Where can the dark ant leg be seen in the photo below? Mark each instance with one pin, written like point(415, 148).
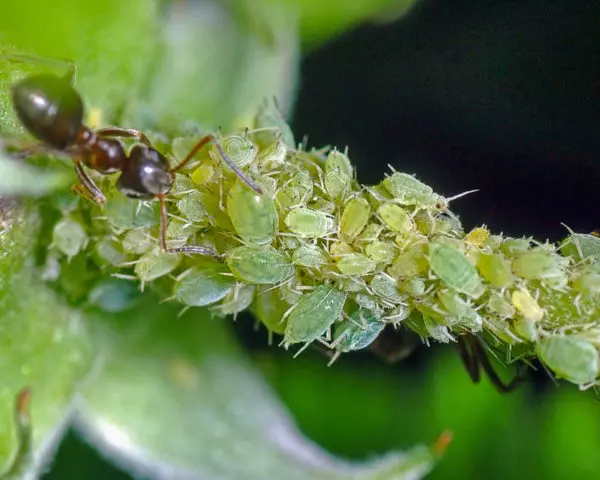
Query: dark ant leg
point(475, 357)
point(124, 132)
point(24, 436)
point(88, 188)
point(224, 156)
point(186, 249)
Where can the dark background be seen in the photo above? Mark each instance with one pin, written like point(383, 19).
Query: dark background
point(502, 96)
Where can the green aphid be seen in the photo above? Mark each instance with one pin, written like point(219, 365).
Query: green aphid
point(407, 190)
point(537, 264)
point(236, 301)
point(355, 264)
point(573, 359)
point(260, 265)
point(354, 218)
point(254, 217)
point(303, 183)
point(240, 149)
point(453, 268)
point(413, 287)
point(433, 311)
point(290, 293)
point(126, 213)
point(138, 241)
point(114, 295)
point(181, 146)
point(270, 308)
point(369, 234)
point(395, 217)
point(425, 222)
point(351, 284)
point(398, 314)
point(314, 314)
point(416, 323)
point(359, 332)
point(438, 332)
point(336, 184)
point(156, 264)
point(525, 328)
point(381, 252)
point(309, 223)
point(495, 269)
point(464, 313)
point(205, 284)
point(366, 301)
point(410, 263)
point(183, 186)
point(109, 251)
point(386, 287)
point(581, 246)
point(499, 304)
point(337, 161)
point(180, 231)
point(309, 256)
point(272, 155)
point(192, 208)
point(511, 247)
point(69, 237)
point(527, 305)
point(267, 117)
point(587, 283)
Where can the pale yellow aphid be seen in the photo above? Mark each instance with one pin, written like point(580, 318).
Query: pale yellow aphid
point(477, 237)
point(527, 305)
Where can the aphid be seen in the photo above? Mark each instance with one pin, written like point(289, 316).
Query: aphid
point(407, 190)
point(477, 237)
point(495, 269)
point(355, 264)
point(259, 265)
point(69, 237)
point(338, 173)
point(270, 309)
point(362, 328)
point(52, 111)
point(354, 219)
point(449, 263)
point(204, 284)
point(571, 358)
point(24, 450)
point(253, 216)
point(381, 252)
point(582, 246)
point(537, 264)
point(309, 256)
point(314, 313)
point(309, 223)
point(475, 358)
point(395, 217)
point(527, 305)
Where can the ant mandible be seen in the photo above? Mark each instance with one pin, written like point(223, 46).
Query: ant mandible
point(51, 110)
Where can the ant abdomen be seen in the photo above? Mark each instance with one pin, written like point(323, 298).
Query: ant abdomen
point(49, 108)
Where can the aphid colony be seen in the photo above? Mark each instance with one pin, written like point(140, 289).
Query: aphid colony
point(319, 257)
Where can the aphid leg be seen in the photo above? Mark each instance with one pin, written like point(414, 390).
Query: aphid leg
point(125, 133)
point(22, 421)
point(475, 357)
point(211, 138)
point(88, 189)
point(187, 248)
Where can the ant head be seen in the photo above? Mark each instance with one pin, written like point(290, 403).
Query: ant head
point(49, 108)
point(146, 174)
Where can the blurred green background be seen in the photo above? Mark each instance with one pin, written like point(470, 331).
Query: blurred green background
point(502, 97)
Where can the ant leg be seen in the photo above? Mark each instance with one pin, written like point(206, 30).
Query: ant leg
point(211, 138)
point(477, 358)
point(52, 62)
point(88, 189)
point(124, 132)
point(22, 421)
point(186, 249)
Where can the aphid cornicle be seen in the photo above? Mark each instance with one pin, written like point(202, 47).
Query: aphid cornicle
point(52, 111)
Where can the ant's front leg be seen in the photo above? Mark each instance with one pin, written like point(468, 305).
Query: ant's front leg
point(197, 249)
point(88, 189)
point(124, 133)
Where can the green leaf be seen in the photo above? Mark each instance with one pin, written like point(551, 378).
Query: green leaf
point(43, 345)
point(176, 397)
point(20, 178)
point(321, 20)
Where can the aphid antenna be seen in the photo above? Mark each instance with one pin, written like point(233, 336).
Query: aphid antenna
point(335, 356)
point(169, 299)
point(183, 311)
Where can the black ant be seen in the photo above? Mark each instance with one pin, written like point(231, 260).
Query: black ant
point(52, 110)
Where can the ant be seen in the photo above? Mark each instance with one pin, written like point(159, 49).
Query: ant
point(52, 111)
